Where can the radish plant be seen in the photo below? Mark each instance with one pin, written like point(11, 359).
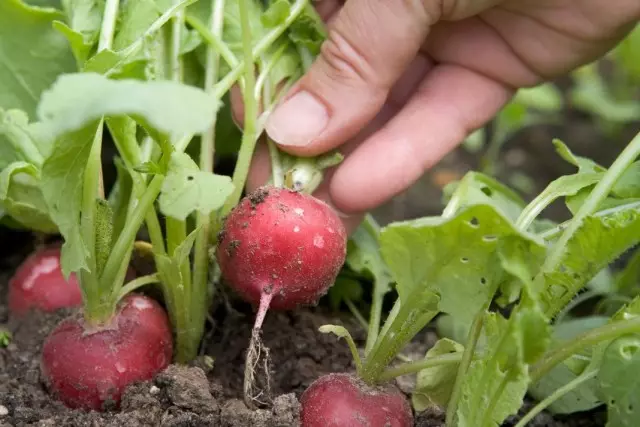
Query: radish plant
point(530, 269)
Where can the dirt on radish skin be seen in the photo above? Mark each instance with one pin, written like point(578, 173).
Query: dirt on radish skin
point(287, 244)
point(90, 369)
point(38, 283)
point(342, 400)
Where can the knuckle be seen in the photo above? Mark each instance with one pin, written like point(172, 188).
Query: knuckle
point(345, 61)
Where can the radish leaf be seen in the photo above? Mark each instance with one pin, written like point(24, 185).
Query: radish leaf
point(598, 241)
point(427, 254)
point(434, 385)
point(33, 54)
point(620, 383)
point(187, 189)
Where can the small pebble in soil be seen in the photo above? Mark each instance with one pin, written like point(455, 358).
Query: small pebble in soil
point(3, 411)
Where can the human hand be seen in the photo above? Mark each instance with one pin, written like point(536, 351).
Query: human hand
point(399, 84)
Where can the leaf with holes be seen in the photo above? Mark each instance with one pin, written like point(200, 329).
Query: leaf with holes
point(477, 188)
point(456, 257)
point(619, 379)
point(599, 240)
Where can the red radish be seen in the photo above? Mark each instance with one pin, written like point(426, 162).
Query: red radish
point(341, 400)
point(91, 368)
point(281, 245)
point(279, 248)
point(39, 284)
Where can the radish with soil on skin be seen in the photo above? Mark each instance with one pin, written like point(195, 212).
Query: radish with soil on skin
point(342, 400)
point(280, 249)
point(90, 368)
point(38, 283)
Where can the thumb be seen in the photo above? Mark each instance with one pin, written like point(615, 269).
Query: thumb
point(369, 45)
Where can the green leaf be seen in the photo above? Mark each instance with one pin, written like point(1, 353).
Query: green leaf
point(187, 189)
point(32, 54)
point(582, 163)
point(627, 281)
point(166, 109)
point(344, 289)
point(61, 184)
point(364, 257)
point(21, 140)
point(477, 188)
point(277, 13)
point(5, 338)
point(619, 379)
point(85, 18)
point(628, 185)
point(434, 385)
point(120, 196)
point(21, 198)
point(585, 396)
point(135, 18)
point(427, 254)
point(104, 234)
point(596, 243)
point(495, 385)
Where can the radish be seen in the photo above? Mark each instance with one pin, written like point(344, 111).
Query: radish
point(341, 400)
point(280, 249)
point(38, 283)
point(281, 246)
point(89, 368)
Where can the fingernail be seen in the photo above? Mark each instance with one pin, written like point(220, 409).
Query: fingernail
point(298, 121)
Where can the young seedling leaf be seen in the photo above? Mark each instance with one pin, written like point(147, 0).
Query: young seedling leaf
point(5, 338)
point(427, 254)
point(166, 109)
point(33, 54)
point(619, 379)
point(85, 18)
point(434, 385)
point(598, 241)
point(187, 189)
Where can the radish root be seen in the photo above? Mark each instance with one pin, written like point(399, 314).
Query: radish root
point(254, 396)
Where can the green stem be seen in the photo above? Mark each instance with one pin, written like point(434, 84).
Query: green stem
point(249, 134)
point(137, 283)
point(467, 357)
point(541, 406)
point(199, 297)
point(109, 19)
point(411, 317)
point(214, 39)
point(599, 193)
point(420, 365)
point(375, 314)
point(261, 47)
point(96, 309)
point(125, 241)
point(356, 313)
point(579, 343)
